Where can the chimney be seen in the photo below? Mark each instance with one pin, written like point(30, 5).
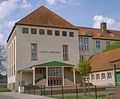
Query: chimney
point(103, 26)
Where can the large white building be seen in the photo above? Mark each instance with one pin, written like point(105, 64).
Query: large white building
point(44, 49)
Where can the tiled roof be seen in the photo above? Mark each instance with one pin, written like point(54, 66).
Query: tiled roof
point(97, 33)
point(45, 17)
point(102, 61)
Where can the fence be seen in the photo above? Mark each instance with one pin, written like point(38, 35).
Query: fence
point(66, 91)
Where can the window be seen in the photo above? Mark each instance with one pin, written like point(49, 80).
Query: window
point(25, 30)
point(71, 34)
point(97, 44)
point(92, 77)
point(81, 57)
point(41, 31)
point(57, 33)
point(49, 32)
point(97, 76)
point(64, 33)
point(109, 75)
point(65, 53)
point(34, 51)
point(84, 44)
point(33, 31)
point(103, 76)
point(107, 43)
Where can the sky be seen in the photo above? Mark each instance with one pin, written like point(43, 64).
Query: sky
point(85, 13)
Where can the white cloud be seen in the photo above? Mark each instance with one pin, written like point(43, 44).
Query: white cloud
point(68, 2)
point(25, 4)
point(6, 7)
point(111, 23)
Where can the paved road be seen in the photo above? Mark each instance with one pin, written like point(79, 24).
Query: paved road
point(7, 97)
point(13, 95)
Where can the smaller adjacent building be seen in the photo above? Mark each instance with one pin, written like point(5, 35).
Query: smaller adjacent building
point(104, 66)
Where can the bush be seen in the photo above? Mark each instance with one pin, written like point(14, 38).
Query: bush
point(5, 90)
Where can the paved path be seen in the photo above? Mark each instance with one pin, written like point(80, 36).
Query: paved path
point(13, 95)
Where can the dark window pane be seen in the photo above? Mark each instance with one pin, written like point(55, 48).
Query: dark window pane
point(33, 31)
point(33, 51)
point(25, 30)
point(57, 33)
point(64, 33)
point(49, 32)
point(65, 53)
point(71, 34)
point(41, 31)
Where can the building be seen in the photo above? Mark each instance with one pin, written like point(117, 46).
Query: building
point(103, 70)
point(44, 49)
point(93, 41)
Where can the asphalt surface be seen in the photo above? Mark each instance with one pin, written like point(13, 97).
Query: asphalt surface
point(14, 95)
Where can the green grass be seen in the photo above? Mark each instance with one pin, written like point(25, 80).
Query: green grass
point(81, 97)
point(5, 90)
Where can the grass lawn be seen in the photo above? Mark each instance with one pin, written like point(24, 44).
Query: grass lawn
point(81, 97)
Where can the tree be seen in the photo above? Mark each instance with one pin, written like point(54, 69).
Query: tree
point(113, 46)
point(3, 59)
point(84, 69)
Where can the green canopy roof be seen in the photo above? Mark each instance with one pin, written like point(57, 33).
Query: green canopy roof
point(55, 63)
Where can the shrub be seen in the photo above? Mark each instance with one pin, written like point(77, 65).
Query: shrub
point(5, 90)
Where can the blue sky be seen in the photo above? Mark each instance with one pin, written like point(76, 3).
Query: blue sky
point(86, 13)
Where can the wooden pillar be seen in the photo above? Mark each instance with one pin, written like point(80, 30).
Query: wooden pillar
point(33, 75)
point(63, 76)
point(74, 81)
point(46, 76)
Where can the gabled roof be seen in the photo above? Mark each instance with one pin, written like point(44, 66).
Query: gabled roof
point(45, 17)
point(101, 62)
point(55, 63)
point(96, 33)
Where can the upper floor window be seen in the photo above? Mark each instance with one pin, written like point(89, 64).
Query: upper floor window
point(41, 31)
point(25, 30)
point(34, 51)
point(33, 31)
point(49, 32)
point(97, 44)
point(65, 53)
point(57, 33)
point(71, 34)
point(103, 76)
point(107, 43)
point(109, 75)
point(64, 33)
point(97, 76)
point(81, 58)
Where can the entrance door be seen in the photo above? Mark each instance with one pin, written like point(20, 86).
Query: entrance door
point(118, 77)
point(54, 76)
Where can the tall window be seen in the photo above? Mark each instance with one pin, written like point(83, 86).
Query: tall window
point(97, 76)
point(65, 53)
point(92, 77)
point(109, 75)
point(84, 44)
point(97, 44)
point(103, 76)
point(49, 32)
point(34, 51)
point(81, 57)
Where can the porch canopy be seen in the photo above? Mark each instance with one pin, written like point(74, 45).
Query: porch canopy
point(54, 64)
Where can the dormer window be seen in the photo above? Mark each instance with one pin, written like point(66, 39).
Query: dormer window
point(33, 31)
point(25, 30)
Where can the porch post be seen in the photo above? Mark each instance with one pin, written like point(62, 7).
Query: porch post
point(46, 76)
point(63, 75)
point(20, 81)
point(74, 82)
point(33, 75)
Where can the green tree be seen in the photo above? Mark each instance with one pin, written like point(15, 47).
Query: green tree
point(3, 59)
point(113, 46)
point(84, 69)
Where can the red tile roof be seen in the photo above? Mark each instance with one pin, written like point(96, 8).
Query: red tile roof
point(102, 61)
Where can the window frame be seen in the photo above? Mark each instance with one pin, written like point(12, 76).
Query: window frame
point(33, 31)
point(34, 52)
point(25, 30)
